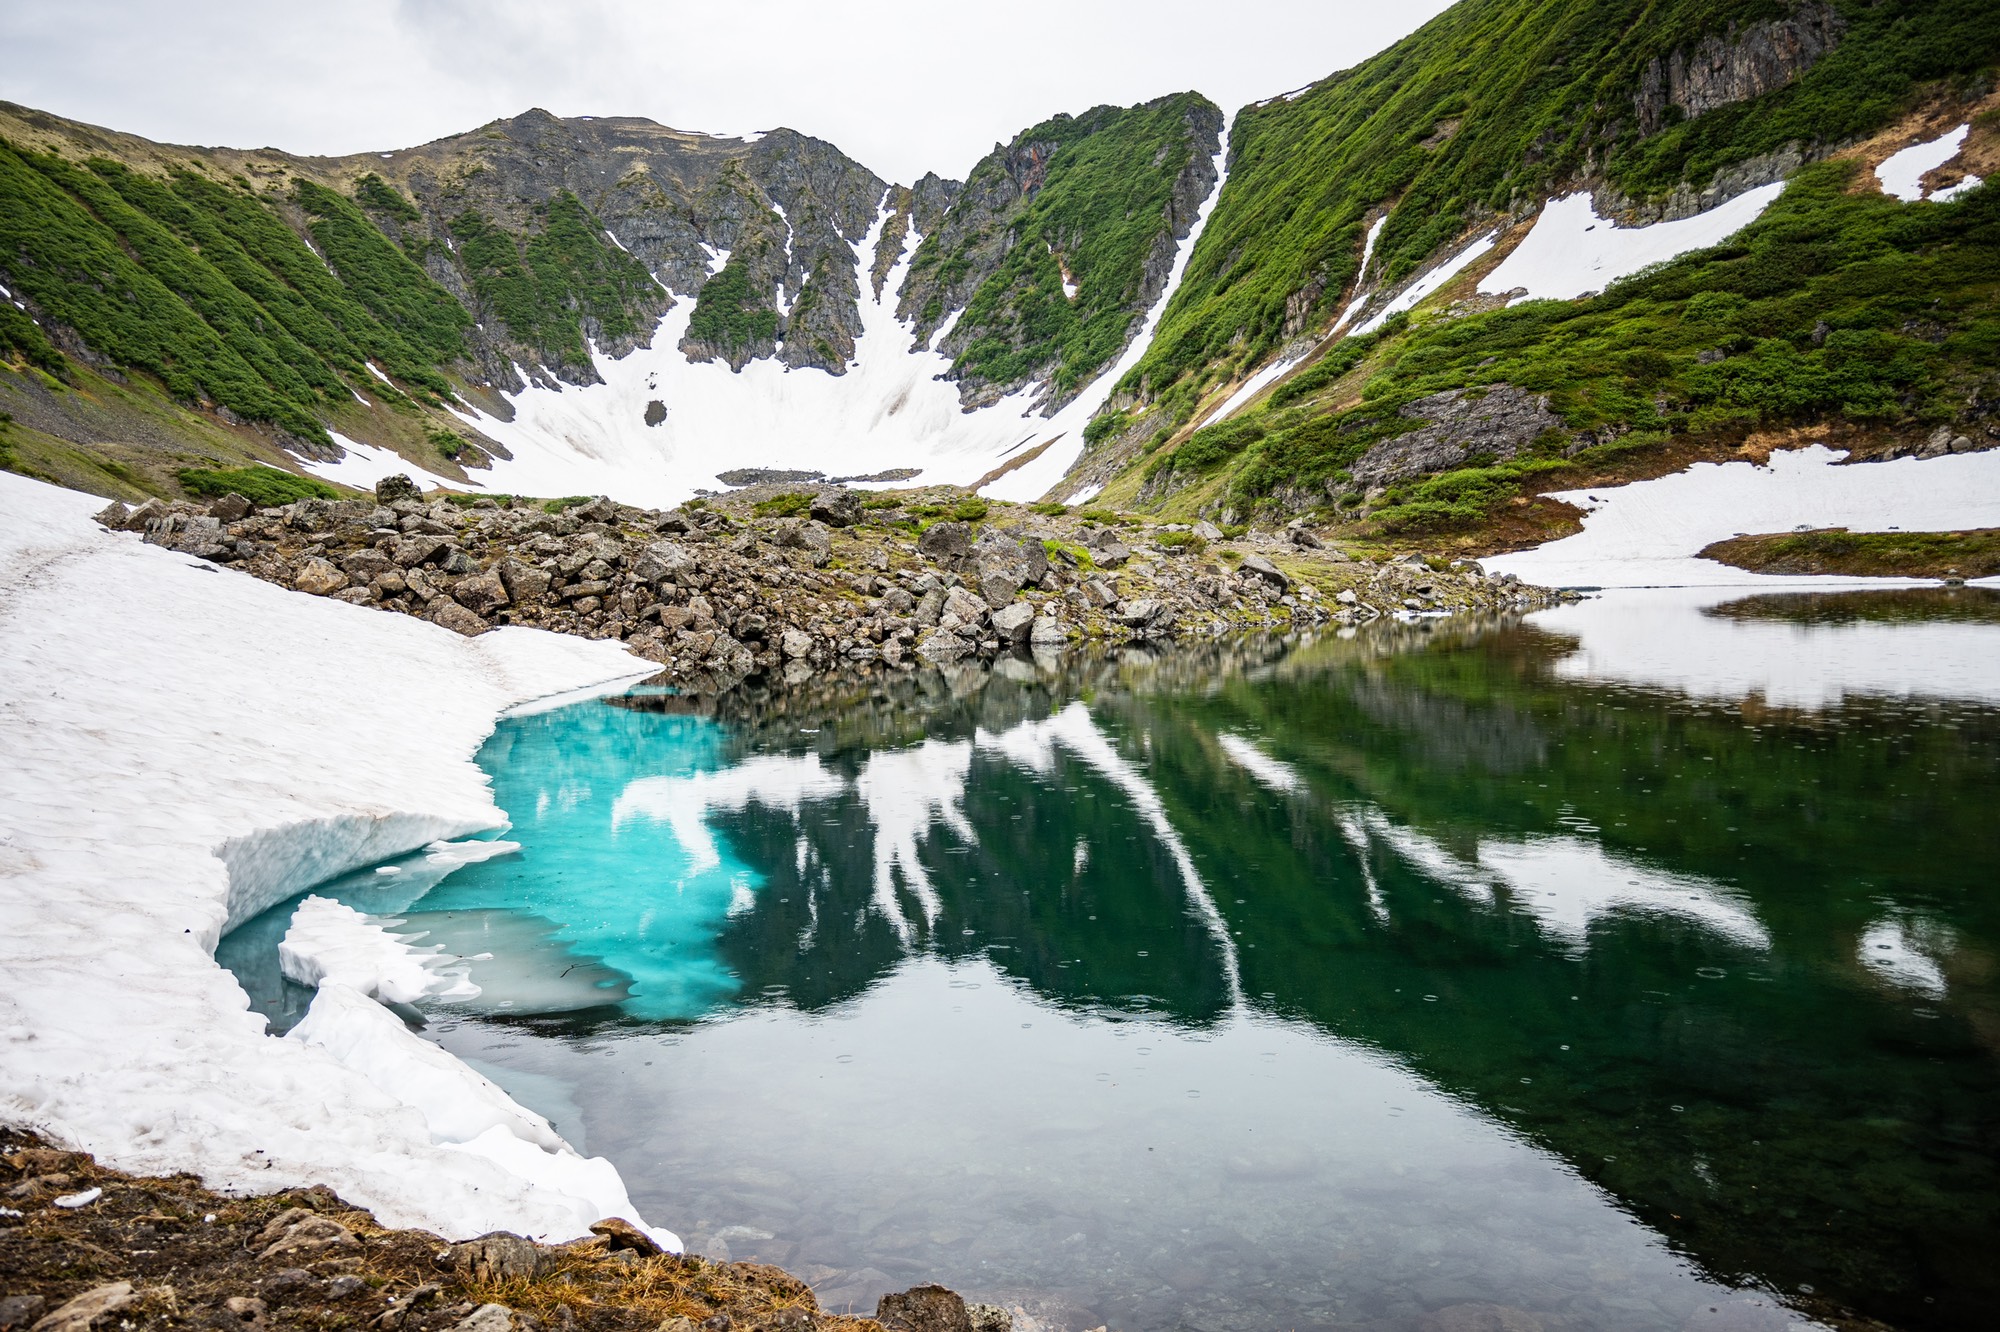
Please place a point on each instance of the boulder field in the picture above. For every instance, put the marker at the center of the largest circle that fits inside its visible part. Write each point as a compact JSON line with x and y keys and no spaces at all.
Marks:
{"x":716,"y":590}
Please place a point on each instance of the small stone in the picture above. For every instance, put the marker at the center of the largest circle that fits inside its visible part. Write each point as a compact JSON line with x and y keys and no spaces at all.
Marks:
{"x":968,"y":608}
{"x":1048,"y":631}
{"x":924,"y":1309}
{"x":498,"y":1256}
{"x":795,"y":644}
{"x":488,"y":1318}
{"x":244,"y":1308}
{"x":298,"y":1230}
{"x":365,"y":565}
{"x":417,"y":548}
{"x":318,"y":577}
{"x":940,"y":645}
{"x":231,"y":508}
{"x":626,"y":1236}
{"x":77,"y":1315}
{"x":524,"y":582}
{"x":661,"y":559}
{"x":1207,"y":531}
{"x":20,"y":1310}
{"x":344,"y":1285}
{"x":450,"y":615}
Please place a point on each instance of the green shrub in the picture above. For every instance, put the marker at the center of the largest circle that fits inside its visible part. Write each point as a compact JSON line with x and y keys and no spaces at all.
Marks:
{"x":789,"y":505}
{"x":570,"y":502}
{"x":265,"y":487}
{"x":971,"y":509}
{"x":1103,"y":427}
{"x":1181,"y":541}
{"x":1049,"y":510}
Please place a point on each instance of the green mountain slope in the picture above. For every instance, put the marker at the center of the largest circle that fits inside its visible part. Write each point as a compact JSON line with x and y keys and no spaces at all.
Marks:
{"x":1092,"y":204}
{"x":1841,"y":307}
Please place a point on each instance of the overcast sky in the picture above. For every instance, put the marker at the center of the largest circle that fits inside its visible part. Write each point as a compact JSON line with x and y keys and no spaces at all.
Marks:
{"x":904,"y":87}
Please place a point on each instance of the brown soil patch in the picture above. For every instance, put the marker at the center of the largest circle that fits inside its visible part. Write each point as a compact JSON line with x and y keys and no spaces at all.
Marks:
{"x":1980,"y":155}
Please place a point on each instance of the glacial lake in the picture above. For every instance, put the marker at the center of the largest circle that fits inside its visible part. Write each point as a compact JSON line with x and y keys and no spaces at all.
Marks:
{"x":1631,"y":965}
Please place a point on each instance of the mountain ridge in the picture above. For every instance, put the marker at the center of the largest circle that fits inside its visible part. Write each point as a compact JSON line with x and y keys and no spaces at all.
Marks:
{"x":1330,"y":305}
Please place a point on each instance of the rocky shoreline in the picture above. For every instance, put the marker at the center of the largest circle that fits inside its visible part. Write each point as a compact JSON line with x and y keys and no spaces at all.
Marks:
{"x":768,"y":580}
{"x":83,"y":1248}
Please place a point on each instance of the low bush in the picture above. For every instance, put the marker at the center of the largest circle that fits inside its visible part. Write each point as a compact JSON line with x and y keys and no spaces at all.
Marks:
{"x":265,"y":487}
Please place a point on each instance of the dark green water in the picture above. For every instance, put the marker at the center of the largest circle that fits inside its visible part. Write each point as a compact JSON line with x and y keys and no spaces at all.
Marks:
{"x":1631,"y":967}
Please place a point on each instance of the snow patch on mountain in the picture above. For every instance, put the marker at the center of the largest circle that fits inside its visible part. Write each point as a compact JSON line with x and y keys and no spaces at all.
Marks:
{"x":1572,"y":252}
{"x":1902,"y":174}
{"x":1429,"y":282}
{"x":891,"y":408}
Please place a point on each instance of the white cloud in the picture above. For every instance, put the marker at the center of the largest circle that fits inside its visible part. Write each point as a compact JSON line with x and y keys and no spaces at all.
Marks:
{"x":904,"y":88}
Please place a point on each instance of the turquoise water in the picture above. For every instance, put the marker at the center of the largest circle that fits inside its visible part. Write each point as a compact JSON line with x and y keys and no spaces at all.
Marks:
{"x":1634,"y":966}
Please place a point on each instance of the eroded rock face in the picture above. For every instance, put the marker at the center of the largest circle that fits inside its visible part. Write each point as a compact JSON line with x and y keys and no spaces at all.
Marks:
{"x":1459,"y":426}
{"x":1735,"y":65}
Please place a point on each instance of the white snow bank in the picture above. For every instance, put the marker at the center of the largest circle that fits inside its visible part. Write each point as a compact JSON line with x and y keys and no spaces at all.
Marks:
{"x":1902,"y":174}
{"x":463,"y":1111}
{"x":1665,"y":638}
{"x":364,"y":464}
{"x":457,"y":1104}
{"x":1571,"y":251}
{"x":1251,"y":387}
{"x":1428,"y":283}
{"x":185,"y":745}
{"x":1645,"y":534}
{"x":329,"y":942}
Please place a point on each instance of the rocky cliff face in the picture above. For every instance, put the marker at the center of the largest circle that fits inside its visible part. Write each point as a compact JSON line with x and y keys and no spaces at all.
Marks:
{"x":1735,"y":65}
{"x":786,"y":209}
{"x":1039,"y":269}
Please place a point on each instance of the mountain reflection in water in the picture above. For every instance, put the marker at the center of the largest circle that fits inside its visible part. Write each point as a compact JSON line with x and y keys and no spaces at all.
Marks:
{"x":1622,"y":967}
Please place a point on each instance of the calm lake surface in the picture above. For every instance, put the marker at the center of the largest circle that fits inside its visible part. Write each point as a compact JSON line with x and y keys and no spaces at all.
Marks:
{"x":1629,"y":966}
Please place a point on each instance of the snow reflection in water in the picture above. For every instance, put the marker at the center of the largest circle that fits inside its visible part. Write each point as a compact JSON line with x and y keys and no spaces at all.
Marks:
{"x":1424,"y":969}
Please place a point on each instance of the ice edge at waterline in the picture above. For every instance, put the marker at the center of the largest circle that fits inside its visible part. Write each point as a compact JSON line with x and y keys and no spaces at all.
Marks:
{"x":269,"y":741}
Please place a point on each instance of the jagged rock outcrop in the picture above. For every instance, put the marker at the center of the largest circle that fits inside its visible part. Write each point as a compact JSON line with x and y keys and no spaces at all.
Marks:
{"x":1735,"y":65}
{"x":1459,"y":427}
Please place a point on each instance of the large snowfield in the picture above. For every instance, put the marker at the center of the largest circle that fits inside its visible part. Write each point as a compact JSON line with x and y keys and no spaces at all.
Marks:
{"x":186,"y":746}
{"x":1648,"y":533}
{"x":889,"y":410}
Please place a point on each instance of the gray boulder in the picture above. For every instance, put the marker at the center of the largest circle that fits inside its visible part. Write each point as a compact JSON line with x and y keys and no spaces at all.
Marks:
{"x":946,"y":542}
{"x":398,"y":487}
{"x":319,"y":577}
{"x":661,"y":559}
{"x":482,"y":593}
{"x":837,"y":507}
{"x":1013,"y":622}
{"x":1269,"y":572}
